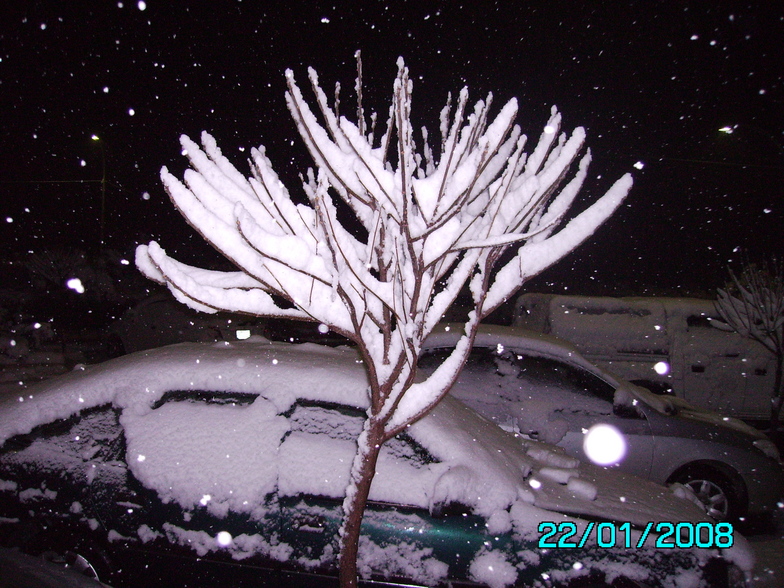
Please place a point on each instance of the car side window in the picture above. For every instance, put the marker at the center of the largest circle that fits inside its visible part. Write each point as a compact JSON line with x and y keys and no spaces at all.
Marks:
{"x":519,"y":377}
{"x":333,"y":420}
{"x":553,"y":374}
{"x":315,"y":457}
{"x":342,"y":422}
{"x":92,"y":435}
{"x":206,"y":397}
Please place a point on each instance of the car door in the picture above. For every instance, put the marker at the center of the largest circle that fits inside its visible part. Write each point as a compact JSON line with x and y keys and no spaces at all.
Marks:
{"x":401,"y":538}
{"x":206,"y":463}
{"x":315,"y":457}
{"x":593,"y":421}
{"x":552,"y":401}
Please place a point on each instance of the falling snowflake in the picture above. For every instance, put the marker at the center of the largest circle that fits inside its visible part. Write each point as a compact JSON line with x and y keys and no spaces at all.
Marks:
{"x":75,"y":284}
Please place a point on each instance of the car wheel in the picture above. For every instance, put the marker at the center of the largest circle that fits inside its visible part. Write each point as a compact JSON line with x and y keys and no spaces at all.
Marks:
{"x":78,"y":563}
{"x":84,"y":557}
{"x":714,"y":490}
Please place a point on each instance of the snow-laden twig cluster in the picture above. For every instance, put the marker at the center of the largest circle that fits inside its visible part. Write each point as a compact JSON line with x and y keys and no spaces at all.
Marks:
{"x":432,"y":224}
{"x":753,"y":306}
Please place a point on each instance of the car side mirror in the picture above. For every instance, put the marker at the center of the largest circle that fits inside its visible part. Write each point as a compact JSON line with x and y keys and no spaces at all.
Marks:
{"x":440,"y":510}
{"x":626,"y":411}
{"x":448,"y":490}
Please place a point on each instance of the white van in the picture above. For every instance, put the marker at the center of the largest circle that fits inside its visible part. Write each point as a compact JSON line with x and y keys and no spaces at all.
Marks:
{"x":670,"y":345}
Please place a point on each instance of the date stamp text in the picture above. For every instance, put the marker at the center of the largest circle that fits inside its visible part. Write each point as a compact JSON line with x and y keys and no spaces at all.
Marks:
{"x":664,"y":535}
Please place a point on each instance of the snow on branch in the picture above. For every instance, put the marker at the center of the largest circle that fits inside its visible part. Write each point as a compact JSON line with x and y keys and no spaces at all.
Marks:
{"x":433,"y":220}
{"x":753,"y":304}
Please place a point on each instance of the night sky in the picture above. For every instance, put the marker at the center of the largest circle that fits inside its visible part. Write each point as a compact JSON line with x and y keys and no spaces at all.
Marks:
{"x":652,"y":82}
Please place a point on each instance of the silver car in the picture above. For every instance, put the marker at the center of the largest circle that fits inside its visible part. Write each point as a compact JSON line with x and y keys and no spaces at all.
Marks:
{"x":541,"y":387}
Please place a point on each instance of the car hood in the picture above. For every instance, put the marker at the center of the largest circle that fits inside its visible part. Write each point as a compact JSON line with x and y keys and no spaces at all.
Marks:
{"x":680,"y":408}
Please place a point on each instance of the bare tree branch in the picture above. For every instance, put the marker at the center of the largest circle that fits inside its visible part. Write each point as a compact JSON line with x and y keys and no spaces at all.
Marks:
{"x":753,"y":306}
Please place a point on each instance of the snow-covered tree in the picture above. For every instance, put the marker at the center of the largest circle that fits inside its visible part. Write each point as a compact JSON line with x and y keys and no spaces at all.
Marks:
{"x":753,"y":306}
{"x":428,"y":222}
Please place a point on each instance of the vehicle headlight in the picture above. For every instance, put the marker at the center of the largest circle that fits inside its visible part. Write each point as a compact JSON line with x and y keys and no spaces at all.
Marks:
{"x":767,"y":447}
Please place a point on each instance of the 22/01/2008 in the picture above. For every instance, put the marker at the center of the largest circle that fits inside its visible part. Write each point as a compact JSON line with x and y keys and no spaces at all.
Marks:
{"x":666,"y":535}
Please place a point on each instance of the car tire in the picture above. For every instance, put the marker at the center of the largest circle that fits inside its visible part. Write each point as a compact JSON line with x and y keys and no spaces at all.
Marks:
{"x":715,"y":491}
{"x":76,"y":562}
{"x":85,"y":558}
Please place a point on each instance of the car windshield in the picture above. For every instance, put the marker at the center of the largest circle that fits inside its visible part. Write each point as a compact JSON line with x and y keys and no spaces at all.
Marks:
{"x":512,"y":371}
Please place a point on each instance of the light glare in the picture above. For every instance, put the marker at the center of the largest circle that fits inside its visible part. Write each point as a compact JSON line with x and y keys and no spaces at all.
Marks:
{"x":662,"y":368}
{"x":604,"y":445}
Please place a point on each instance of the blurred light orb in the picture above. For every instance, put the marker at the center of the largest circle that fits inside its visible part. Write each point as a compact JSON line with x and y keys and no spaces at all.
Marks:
{"x":223,"y":538}
{"x":662,"y":368}
{"x":604,"y":445}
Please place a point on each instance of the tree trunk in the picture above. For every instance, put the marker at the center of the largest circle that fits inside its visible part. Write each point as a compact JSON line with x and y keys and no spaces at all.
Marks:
{"x":778,"y":395}
{"x":362,"y":472}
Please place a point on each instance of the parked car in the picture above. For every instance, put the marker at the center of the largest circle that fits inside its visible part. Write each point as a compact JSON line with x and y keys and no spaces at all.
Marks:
{"x":677,"y":346}
{"x":226,"y":464}
{"x":161,"y":320}
{"x":542,"y":387}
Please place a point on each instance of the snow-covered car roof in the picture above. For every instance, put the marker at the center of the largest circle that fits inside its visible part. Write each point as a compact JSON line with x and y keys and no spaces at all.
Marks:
{"x":544,"y":345}
{"x":138,"y":380}
{"x":447,"y":334}
{"x":499,"y":469}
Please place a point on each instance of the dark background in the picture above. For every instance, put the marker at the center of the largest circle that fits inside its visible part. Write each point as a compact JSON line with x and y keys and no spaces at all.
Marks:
{"x":652,"y":82}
